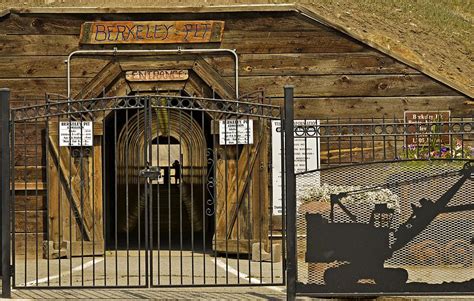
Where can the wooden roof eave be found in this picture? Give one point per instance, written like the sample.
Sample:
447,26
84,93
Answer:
158,9
311,14
298,8
4,12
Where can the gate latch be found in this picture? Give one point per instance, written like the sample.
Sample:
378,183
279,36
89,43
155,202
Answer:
152,172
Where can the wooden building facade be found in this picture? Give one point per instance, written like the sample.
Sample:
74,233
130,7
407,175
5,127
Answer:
334,75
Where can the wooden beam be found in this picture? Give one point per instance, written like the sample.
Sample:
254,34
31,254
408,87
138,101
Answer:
304,64
22,45
48,66
30,221
289,42
103,80
30,201
156,9
195,86
182,62
119,88
210,76
271,22
37,87
4,12
368,107
347,85
41,24
157,86
22,186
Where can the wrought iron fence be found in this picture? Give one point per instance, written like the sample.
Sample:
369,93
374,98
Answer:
389,210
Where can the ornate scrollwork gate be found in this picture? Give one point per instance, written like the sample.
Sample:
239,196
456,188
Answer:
141,191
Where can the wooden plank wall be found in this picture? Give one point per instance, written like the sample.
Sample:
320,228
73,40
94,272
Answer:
333,75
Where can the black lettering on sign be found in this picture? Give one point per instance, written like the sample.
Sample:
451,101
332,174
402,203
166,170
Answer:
100,31
156,75
142,32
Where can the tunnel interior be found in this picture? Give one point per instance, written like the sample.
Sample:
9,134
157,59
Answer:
169,212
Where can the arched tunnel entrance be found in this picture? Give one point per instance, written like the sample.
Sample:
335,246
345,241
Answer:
173,216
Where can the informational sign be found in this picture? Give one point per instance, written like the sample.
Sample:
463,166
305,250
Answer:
156,75
426,122
235,131
75,133
307,157
151,32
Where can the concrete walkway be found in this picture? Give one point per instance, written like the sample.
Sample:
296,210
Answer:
218,293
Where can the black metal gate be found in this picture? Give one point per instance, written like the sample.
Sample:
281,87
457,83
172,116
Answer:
390,210
145,190
5,192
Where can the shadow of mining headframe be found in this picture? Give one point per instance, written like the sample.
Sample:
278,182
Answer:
365,247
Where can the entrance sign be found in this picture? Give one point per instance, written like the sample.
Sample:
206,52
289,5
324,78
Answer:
307,157
70,133
235,131
156,75
423,123
151,32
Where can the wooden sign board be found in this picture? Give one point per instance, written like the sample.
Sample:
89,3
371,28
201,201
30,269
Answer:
151,32
156,75
426,122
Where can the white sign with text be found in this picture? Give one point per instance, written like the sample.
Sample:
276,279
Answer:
71,132
307,157
235,131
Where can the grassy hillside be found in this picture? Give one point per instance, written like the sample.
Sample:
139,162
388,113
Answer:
437,35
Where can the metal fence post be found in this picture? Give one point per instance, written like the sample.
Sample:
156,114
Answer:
5,189
290,194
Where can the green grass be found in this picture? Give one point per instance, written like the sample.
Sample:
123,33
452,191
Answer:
451,18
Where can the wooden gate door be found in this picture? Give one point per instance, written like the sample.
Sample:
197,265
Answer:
243,201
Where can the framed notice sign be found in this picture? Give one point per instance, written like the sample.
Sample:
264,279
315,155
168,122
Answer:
235,131
421,122
307,157
75,133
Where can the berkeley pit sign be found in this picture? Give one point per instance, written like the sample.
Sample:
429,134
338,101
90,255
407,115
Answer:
151,32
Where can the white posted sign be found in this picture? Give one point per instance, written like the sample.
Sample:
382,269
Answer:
307,157
70,133
235,131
